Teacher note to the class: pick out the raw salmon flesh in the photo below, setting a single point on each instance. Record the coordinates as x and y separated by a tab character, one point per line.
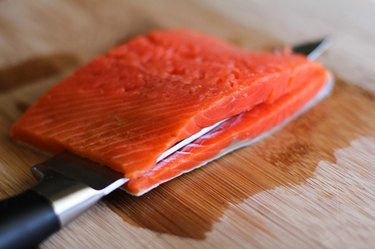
127	107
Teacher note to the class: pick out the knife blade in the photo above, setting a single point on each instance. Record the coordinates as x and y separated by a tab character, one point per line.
312	49
69	185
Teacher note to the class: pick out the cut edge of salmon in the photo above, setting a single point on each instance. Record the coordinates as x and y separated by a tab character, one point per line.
323	93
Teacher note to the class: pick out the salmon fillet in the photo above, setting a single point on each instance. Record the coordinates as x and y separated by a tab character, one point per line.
127	107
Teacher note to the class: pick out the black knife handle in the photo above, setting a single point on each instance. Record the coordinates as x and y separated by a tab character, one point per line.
26	220
29	218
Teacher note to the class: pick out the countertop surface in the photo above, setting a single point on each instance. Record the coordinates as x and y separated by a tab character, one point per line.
310	185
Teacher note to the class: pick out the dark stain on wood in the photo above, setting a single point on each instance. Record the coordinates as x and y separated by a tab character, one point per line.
35	69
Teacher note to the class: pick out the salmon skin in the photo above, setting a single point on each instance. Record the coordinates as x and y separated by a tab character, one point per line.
125	108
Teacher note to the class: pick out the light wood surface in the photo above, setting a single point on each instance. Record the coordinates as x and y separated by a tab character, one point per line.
311	185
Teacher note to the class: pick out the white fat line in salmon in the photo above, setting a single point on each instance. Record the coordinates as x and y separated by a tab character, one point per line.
188	140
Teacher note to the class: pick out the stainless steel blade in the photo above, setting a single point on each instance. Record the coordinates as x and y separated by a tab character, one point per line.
73	184
93	174
312	49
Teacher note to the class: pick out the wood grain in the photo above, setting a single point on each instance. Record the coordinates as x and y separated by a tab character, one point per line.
310	185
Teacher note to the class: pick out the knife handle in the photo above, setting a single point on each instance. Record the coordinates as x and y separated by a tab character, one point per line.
26	220
32	216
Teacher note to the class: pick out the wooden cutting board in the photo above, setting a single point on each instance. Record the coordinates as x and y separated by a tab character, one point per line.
310	185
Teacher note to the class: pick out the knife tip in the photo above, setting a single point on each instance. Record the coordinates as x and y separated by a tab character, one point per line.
313	49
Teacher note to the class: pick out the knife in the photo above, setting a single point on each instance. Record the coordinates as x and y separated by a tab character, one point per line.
69	185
